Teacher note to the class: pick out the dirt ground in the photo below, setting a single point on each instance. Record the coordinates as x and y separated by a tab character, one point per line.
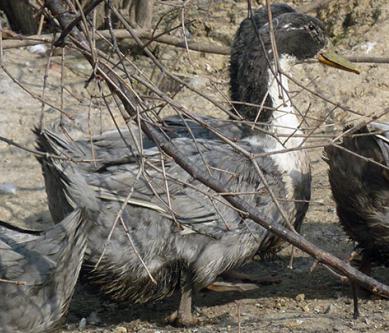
304	301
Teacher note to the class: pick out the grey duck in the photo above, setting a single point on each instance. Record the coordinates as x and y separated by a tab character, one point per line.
188	244
39	271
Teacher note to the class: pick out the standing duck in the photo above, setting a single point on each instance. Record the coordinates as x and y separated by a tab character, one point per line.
38	273
359	178
181	234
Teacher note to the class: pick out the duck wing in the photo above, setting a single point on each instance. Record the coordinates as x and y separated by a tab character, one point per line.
119	146
179	196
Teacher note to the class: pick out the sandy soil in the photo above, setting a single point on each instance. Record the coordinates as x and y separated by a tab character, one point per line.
304	301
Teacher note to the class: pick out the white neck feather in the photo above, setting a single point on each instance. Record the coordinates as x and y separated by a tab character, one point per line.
284	121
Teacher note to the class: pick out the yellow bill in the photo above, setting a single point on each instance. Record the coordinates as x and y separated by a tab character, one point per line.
335	60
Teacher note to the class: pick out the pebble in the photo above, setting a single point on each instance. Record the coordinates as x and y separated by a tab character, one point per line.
82	324
300	297
329	309
7	188
39	49
198	82
294	323
305	308
120	329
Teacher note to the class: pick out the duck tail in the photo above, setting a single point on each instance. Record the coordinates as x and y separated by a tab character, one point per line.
66	186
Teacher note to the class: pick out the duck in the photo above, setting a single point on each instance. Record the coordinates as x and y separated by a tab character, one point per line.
38	273
359	179
172	232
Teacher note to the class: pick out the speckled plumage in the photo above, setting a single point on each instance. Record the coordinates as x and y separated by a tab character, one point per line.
361	189
191	242
49	264
204	228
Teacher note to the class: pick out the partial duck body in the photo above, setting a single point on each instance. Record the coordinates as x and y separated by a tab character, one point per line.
38	272
359	178
360	187
180	233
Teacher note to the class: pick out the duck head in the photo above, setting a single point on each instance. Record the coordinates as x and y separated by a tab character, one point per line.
297	37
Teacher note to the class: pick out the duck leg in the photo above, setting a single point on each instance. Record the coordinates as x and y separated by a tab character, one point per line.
364	267
354	288
183	316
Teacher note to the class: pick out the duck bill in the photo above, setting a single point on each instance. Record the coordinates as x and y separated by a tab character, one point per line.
335	60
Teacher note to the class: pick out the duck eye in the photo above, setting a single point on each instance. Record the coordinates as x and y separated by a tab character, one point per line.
311	27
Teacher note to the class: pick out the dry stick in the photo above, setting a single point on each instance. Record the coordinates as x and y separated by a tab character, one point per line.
62	86
90	133
18	283
373	60
45	77
39	153
184	34
274	50
135	249
162	38
88	8
131	104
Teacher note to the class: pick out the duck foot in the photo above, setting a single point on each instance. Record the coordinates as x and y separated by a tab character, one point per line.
244	277
355	288
181	319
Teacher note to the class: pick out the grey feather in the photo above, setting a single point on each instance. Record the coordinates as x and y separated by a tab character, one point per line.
47	265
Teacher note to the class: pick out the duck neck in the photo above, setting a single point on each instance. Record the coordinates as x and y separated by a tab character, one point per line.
283	120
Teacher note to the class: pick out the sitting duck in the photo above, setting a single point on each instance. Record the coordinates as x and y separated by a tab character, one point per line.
359	178
38	273
172	231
